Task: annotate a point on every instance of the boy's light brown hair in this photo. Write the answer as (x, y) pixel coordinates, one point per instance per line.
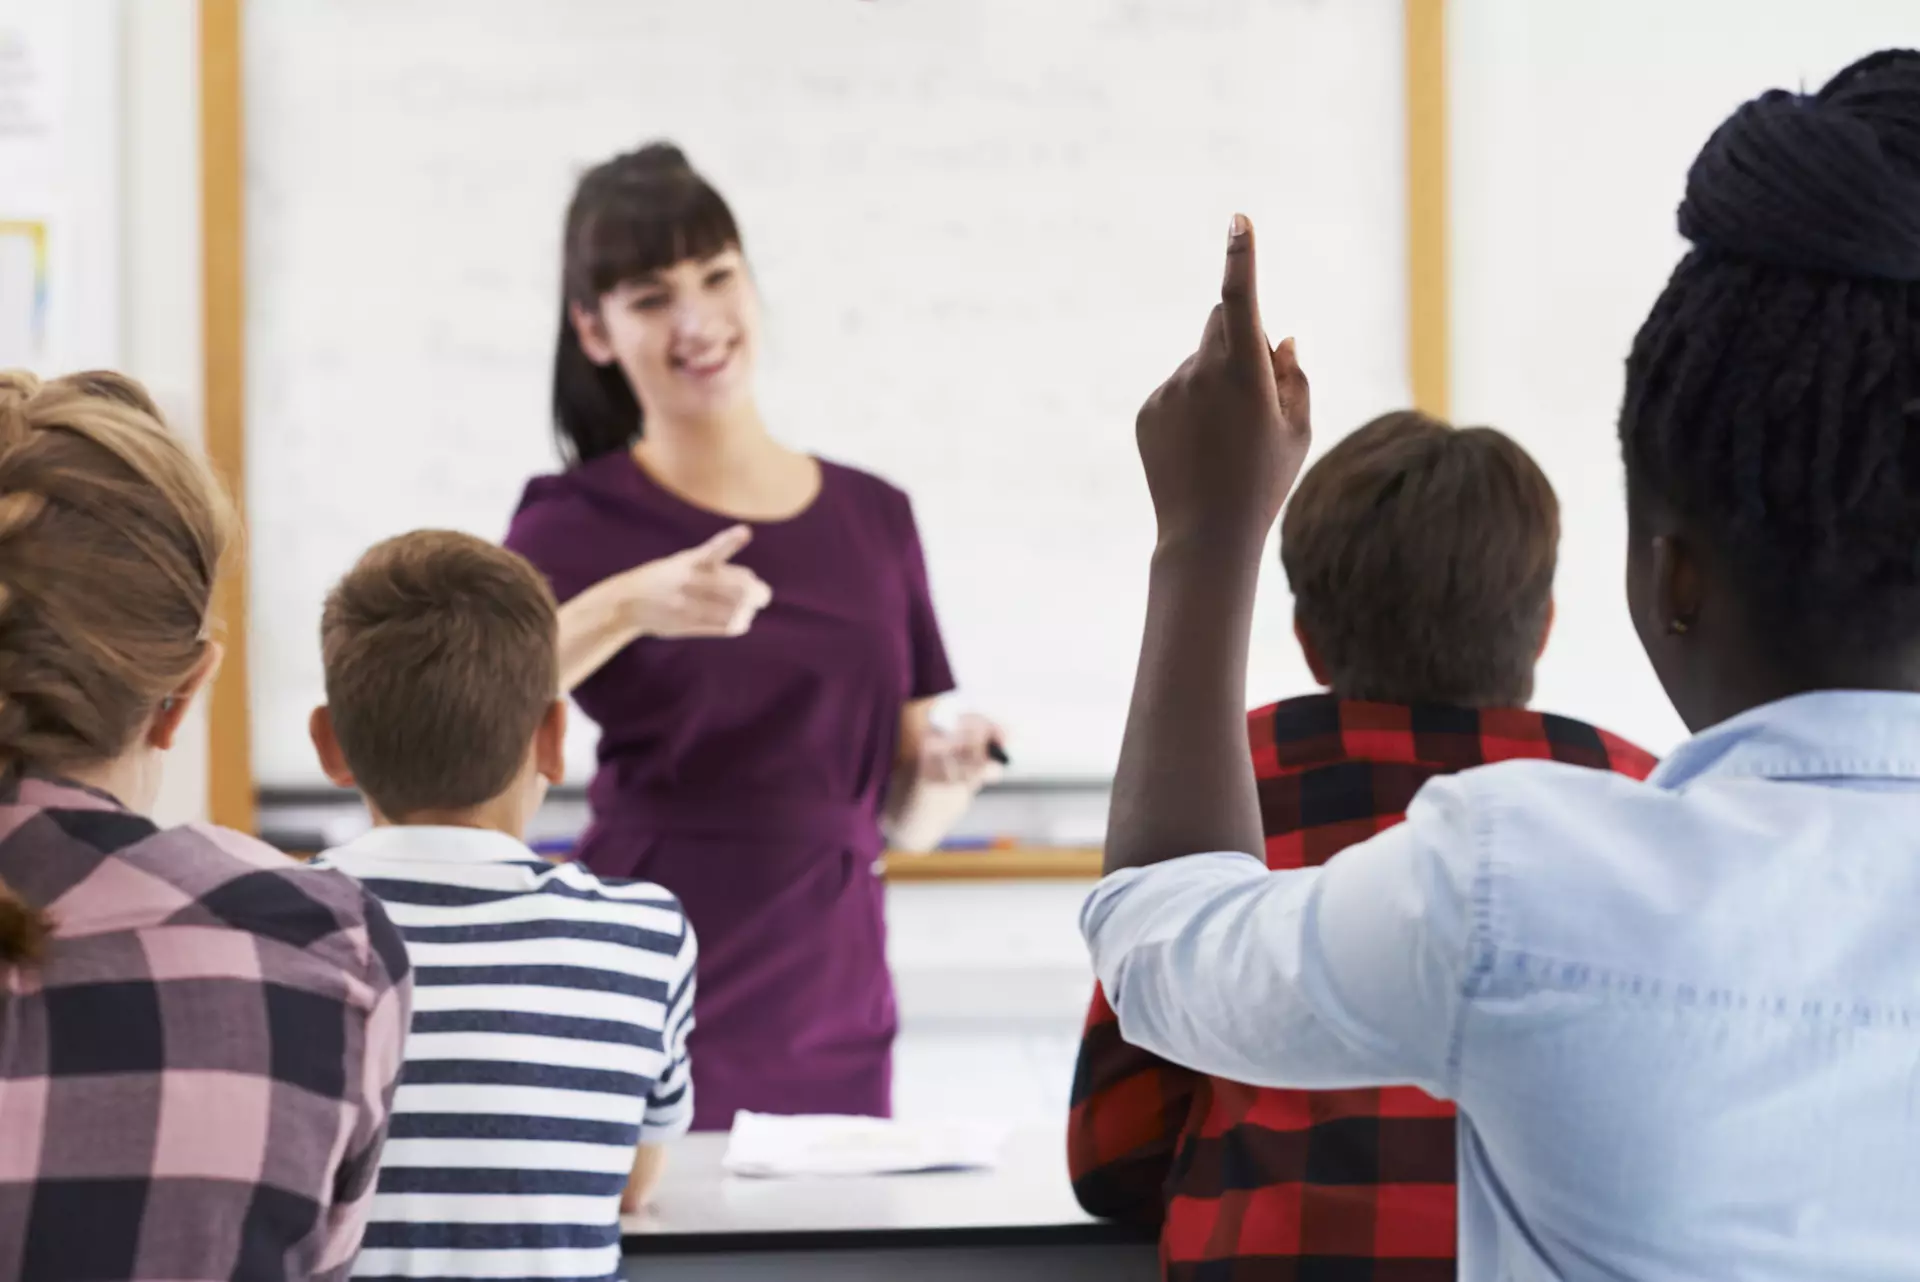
(442, 657)
(1421, 558)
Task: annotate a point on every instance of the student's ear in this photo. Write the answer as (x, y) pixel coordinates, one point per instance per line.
(550, 744)
(1314, 666)
(326, 745)
(1679, 588)
(172, 712)
(592, 333)
(1546, 631)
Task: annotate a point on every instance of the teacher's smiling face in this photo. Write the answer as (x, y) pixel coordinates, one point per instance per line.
(685, 336)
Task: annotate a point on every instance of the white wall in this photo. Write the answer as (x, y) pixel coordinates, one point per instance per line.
(1572, 128)
(160, 270)
(59, 136)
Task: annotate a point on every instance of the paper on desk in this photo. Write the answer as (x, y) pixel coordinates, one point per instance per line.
(769, 1146)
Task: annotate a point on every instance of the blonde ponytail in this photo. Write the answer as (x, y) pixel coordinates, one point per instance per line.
(24, 929)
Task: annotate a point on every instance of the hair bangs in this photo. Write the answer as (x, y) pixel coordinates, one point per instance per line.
(646, 226)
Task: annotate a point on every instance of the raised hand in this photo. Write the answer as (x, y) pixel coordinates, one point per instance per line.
(1222, 441)
(1224, 437)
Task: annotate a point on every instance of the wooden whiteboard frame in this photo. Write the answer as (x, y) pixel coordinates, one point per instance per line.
(231, 799)
(1429, 359)
(223, 265)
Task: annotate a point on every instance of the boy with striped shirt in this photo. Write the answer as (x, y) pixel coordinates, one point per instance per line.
(547, 1061)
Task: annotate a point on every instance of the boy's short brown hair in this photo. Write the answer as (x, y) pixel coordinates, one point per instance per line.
(442, 657)
(1421, 558)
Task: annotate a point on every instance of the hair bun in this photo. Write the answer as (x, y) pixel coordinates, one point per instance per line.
(660, 157)
(1827, 182)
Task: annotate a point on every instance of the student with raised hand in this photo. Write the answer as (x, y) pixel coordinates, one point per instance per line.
(753, 632)
(547, 1066)
(1680, 1019)
(198, 1037)
(1421, 558)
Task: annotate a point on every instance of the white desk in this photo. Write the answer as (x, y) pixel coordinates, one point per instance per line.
(1014, 1223)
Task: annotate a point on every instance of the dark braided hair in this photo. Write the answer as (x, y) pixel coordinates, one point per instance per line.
(1773, 395)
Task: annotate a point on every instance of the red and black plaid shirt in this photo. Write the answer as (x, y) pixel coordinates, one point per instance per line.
(1246, 1183)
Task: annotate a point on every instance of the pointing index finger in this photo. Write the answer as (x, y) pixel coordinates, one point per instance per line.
(1239, 296)
(724, 546)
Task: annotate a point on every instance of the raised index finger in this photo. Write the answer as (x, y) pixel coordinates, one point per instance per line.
(1239, 297)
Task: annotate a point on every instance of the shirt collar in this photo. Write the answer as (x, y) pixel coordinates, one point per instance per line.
(427, 843)
(1323, 729)
(1829, 734)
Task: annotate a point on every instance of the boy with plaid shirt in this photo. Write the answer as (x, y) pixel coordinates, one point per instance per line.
(1421, 558)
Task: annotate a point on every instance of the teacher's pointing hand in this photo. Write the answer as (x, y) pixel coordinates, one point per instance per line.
(1224, 437)
(698, 592)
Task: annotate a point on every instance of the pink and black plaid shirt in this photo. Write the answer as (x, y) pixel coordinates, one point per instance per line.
(194, 1082)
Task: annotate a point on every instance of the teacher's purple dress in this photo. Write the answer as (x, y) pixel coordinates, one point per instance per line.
(746, 774)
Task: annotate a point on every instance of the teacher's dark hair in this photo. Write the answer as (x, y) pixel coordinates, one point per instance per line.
(635, 214)
(1773, 395)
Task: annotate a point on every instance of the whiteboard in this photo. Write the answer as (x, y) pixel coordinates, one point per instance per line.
(983, 231)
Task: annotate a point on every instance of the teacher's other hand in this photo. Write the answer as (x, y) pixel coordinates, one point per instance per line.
(697, 593)
(1224, 437)
(962, 755)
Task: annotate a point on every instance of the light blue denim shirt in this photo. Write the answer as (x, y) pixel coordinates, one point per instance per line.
(1681, 1019)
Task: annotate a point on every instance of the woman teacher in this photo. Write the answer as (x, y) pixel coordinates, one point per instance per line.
(752, 630)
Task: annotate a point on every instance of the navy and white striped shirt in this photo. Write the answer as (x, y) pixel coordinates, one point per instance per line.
(550, 1020)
